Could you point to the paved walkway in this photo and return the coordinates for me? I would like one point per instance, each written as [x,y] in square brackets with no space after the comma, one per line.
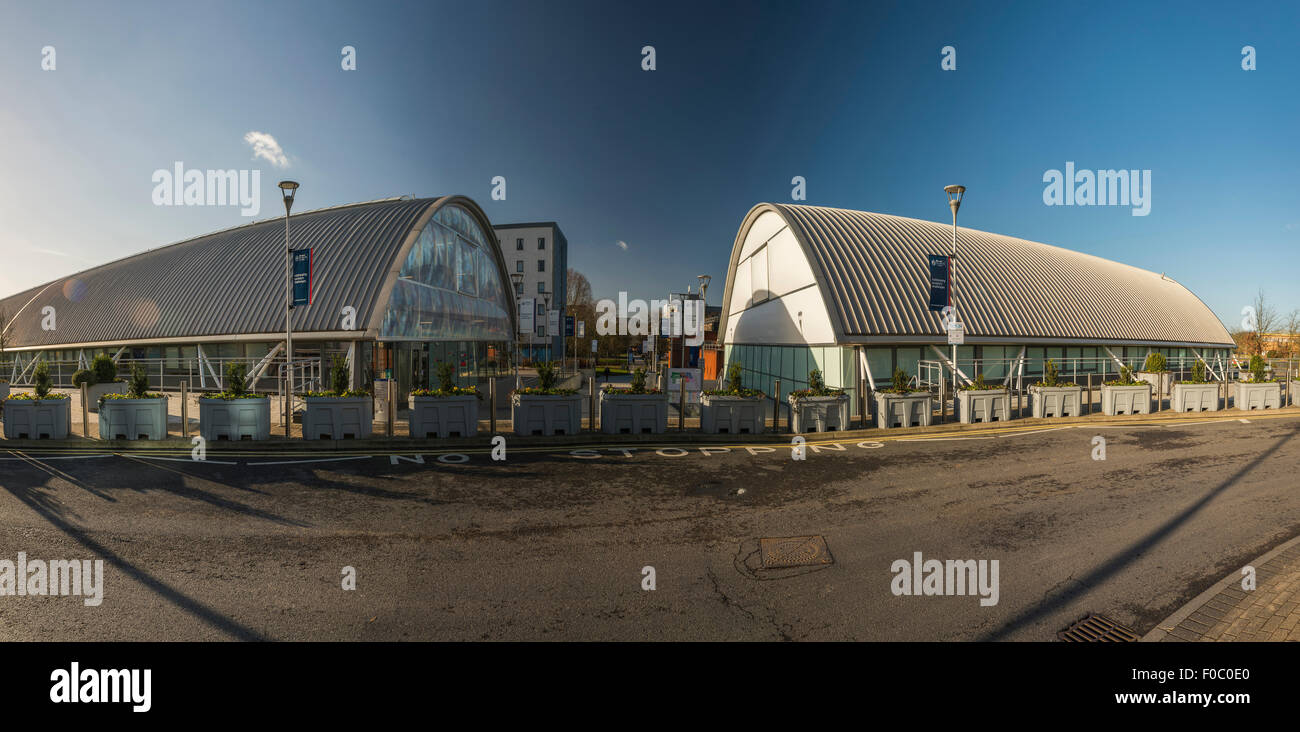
[1226,612]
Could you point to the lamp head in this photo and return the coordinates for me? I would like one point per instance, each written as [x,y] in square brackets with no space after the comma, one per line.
[955,194]
[288,189]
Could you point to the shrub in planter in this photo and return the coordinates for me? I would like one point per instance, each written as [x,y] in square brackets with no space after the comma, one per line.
[1155,372]
[448,411]
[819,408]
[340,413]
[1260,391]
[1126,395]
[981,402]
[735,409]
[234,414]
[1197,394]
[634,410]
[1053,397]
[104,380]
[137,414]
[900,405]
[40,415]
[546,409]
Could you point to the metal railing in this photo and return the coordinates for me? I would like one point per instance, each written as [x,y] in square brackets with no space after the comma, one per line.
[201,374]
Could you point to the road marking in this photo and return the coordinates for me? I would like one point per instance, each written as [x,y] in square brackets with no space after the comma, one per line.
[66,457]
[939,439]
[1244,421]
[318,460]
[175,460]
[1034,432]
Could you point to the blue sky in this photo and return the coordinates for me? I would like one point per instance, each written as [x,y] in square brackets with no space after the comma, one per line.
[552,96]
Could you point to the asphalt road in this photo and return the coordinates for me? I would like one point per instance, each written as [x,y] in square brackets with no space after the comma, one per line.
[551,546]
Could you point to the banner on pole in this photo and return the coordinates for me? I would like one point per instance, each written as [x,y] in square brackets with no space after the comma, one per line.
[527,308]
[302,273]
[939,271]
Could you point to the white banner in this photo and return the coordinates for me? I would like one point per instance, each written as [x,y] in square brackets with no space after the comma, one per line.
[527,307]
[553,323]
[582,329]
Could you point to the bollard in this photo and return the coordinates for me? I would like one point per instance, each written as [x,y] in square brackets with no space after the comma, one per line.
[681,402]
[492,405]
[85,411]
[1089,394]
[185,409]
[943,400]
[391,398]
[591,403]
[776,406]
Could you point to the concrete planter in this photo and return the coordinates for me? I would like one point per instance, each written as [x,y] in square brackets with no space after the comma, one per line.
[904,410]
[48,419]
[133,419]
[820,413]
[449,416]
[1055,401]
[546,414]
[337,418]
[235,419]
[983,405]
[1195,398]
[633,414]
[1161,381]
[95,391]
[733,415]
[1258,396]
[1295,392]
[1126,399]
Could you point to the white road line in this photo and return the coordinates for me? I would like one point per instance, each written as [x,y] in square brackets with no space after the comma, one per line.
[178,460]
[316,460]
[1034,432]
[1244,421]
[938,439]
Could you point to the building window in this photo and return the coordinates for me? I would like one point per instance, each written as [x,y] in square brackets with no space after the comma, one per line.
[541,288]
[541,331]
[541,265]
[541,242]
[519,288]
[519,266]
[541,308]
[519,244]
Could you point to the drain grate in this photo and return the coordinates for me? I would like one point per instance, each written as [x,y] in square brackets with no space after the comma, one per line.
[794,551]
[1095,628]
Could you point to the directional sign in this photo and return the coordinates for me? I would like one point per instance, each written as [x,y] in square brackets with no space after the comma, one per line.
[302,273]
[956,333]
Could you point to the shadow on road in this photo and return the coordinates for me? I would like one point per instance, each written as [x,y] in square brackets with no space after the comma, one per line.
[1059,599]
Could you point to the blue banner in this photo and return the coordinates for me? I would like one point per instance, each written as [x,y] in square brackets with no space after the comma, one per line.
[938,282]
[568,326]
[302,273]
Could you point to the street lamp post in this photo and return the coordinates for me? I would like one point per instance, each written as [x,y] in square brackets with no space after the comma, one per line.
[517,279]
[546,306]
[955,194]
[288,189]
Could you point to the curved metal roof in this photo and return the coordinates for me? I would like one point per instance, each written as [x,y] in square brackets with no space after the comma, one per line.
[873,276]
[232,282]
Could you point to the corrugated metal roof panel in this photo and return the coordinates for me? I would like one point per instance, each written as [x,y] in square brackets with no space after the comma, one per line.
[228,282]
[873,274]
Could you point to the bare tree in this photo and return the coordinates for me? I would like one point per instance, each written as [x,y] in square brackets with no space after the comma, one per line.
[1267,320]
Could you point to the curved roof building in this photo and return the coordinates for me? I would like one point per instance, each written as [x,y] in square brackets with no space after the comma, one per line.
[810,285]
[426,271]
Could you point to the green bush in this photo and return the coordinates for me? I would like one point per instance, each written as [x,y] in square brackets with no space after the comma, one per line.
[638,382]
[42,380]
[1155,363]
[546,376]
[340,376]
[816,384]
[1198,372]
[446,377]
[105,369]
[83,376]
[1051,376]
[138,387]
[900,382]
[1258,367]
[236,383]
[734,384]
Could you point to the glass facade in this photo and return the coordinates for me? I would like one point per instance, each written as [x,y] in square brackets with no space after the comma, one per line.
[449,288]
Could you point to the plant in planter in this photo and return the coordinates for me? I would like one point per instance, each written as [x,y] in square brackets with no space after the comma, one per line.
[1126,395]
[448,411]
[137,414]
[735,409]
[1197,394]
[103,380]
[983,402]
[819,408]
[546,409]
[899,405]
[42,414]
[234,414]
[1155,372]
[637,409]
[1053,397]
[339,413]
[1260,391]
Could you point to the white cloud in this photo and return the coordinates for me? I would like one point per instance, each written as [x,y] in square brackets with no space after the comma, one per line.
[265,147]
[621,245]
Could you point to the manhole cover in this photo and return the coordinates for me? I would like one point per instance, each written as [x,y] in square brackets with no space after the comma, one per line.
[794,551]
[1097,629]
